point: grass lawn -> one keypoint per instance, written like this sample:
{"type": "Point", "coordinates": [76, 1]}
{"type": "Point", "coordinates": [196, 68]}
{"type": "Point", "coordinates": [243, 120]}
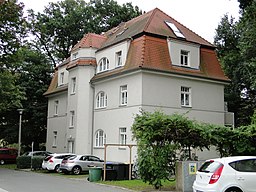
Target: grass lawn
{"type": "Point", "coordinates": [139, 185]}
{"type": "Point", "coordinates": [8, 166]}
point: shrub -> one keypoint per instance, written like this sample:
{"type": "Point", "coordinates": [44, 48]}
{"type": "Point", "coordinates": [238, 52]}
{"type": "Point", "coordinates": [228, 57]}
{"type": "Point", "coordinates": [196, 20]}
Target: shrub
{"type": "Point", "coordinates": [24, 162]}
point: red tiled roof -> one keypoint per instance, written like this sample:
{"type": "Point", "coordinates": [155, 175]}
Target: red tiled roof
{"type": "Point", "coordinates": [80, 62]}
{"type": "Point", "coordinates": [90, 40]}
{"type": "Point", "coordinates": [152, 53]}
{"type": "Point", "coordinates": [152, 22]}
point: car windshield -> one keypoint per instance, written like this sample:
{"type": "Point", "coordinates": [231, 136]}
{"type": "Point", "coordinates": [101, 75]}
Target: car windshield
{"type": "Point", "coordinates": [210, 166]}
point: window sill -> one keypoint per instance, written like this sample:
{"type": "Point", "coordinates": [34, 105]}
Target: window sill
{"type": "Point", "coordinates": [185, 106]}
{"type": "Point", "coordinates": [55, 115]}
{"type": "Point", "coordinates": [99, 147]}
{"type": "Point", "coordinates": [54, 146]}
{"type": "Point", "coordinates": [71, 127]}
{"type": "Point", "coordinates": [123, 105]}
{"type": "Point", "coordinates": [73, 93]}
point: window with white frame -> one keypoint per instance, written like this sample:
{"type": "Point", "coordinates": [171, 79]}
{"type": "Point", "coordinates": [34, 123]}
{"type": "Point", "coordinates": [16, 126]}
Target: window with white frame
{"type": "Point", "coordinates": [122, 136]}
{"type": "Point", "coordinates": [73, 85]}
{"type": "Point", "coordinates": [101, 100]}
{"type": "Point", "coordinates": [70, 146]}
{"type": "Point", "coordinates": [61, 78]}
{"type": "Point", "coordinates": [56, 106]}
{"type": "Point", "coordinates": [123, 95]}
{"type": "Point", "coordinates": [184, 58]}
{"type": "Point", "coordinates": [103, 65]}
{"type": "Point", "coordinates": [118, 58]}
{"type": "Point", "coordinates": [186, 96]}
{"type": "Point", "coordinates": [100, 138]}
{"type": "Point", "coordinates": [72, 119]}
{"type": "Point", "coordinates": [54, 144]}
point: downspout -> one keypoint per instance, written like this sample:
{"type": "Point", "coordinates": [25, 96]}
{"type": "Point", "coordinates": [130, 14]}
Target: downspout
{"type": "Point", "coordinates": [93, 105]}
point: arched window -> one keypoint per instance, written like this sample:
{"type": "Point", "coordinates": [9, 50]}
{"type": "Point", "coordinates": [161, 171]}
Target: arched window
{"type": "Point", "coordinates": [103, 65]}
{"type": "Point", "coordinates": [101, 100]}
{"type": "Point", "coordinates": [100, 138]}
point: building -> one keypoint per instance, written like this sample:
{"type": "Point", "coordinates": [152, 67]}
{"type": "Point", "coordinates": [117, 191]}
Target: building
{"type": "Point", "coordinates": [150, 62]}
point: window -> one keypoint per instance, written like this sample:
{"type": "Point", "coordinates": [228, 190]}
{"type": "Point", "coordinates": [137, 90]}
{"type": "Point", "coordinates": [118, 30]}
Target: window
{"type": "Point", "coordinates": [56, 104]}
{"type": "Point", "coordinates": [248, 165]}
{"type": "Point", "coordinates": [103, 65]}
{"type": "Point", "coordinates": [101, 100]}
{"type": "Point", "coordinates": [123, 95]}
{"type": "Point", "coordinates": [73, 85]}
{"type": "Point", "coordinates": [62, 78]}
{"type": "Point", "coordinates": [122, 136]}
{"type": "Point", "coordinates": [175, 30]}
{"type": "Point", "coordinates": [75, 55]}
{"type": "Point", "coordinates": [71, 146]}
{"type": "Point", "coordinates": [119, 58]}
{"type": "Point", "coordinates": [100, 138]}
{"type": "Point", "coordinates": [72, 119]}
{"type": "Point", "coordinates": [185, 96]}
{"type": "Point", "coordinates": [54, 139]}
{"type": "Point", "coordinates": [184, 58]}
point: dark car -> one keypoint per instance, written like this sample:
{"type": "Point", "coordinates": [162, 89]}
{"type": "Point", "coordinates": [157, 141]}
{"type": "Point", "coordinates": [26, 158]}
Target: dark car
{"type": "Point", "coordinates": [8, 155]}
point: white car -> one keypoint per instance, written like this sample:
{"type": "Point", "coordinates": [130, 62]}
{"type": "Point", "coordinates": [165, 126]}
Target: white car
{"type": "Point", "coordinates": [228, 174]}
{"type": "Point", "coordinates": [53, 161]}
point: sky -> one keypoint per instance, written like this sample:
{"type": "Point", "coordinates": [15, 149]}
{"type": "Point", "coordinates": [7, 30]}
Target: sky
{"type": "Point", "coordinates": [200, 16]}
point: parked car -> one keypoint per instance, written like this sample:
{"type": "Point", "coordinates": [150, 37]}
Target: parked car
{"type": "Point", "coordinates": [52, 162]}
{"type": "Point", "coordinates": [37, 153]}
{"type": "Point", "coordinates": [228, 174]}
{"type": "Point", "coordinates": [8, 155]}
{"type": "Point", "coordinates": [80, 163]}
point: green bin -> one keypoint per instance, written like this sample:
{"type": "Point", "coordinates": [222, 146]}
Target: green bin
{"type": "Point", "coordinates": [95, 174]}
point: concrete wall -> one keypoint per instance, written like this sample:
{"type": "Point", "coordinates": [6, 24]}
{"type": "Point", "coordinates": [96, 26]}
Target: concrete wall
{"type": "Point", "coordinates": [194, 52]}
{"type": "Point", "coordinates": [57, 123]}
{"type": "Point", "coordinates": [81, 103]}
{"type": "Point", "coordinates": [164, 92]}
{"type": "Point", "coordinates": [114, 116]}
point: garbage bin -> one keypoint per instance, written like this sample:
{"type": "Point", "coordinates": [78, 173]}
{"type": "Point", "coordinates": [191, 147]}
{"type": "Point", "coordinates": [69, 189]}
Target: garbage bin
{"type": "Point", "coordinates": [95, 174]}
{"type": "Point", "coordinates": [117, 171]}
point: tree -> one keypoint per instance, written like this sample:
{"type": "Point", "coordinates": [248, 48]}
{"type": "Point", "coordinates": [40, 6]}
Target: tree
{"type": "Point", "coordinates": [12, 31]}
{"type": "Point", "coordinates": [34, 77]}
{"type": "Point", "coordinates": [64, 23]}
{"type": "Point", "coordinates": [160, 137]}
{"type": "Point", "coordinates": [235, 47]}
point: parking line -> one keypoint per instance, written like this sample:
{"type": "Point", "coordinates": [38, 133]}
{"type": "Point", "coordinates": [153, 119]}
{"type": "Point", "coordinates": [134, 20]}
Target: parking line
{"type": "Point", "coordinates": [2, 190]}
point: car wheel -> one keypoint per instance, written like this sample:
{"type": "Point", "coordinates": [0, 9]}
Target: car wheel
{"type": "Point", "coordinates": [57, 169]}
{"type": "Point", "coordinates": [234, 190]}
{"type": "Point", "coordinates": [76, 170]}
{"type": "Point", "coordinates": [2, 162]}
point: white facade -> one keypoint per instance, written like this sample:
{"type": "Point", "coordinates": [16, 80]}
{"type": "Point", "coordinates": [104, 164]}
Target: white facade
{"type": "Point", "coordinates": [94, 104]}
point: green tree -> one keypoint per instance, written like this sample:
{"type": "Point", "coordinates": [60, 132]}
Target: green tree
{"type": "Point", "coordinates": [12, 31]}
{"type": "Point", "coordinates": [64, 23]}
{"type": "Point", "coordinates": [235, 43]}
{"type": "Point", "coordinates": [34, 77]}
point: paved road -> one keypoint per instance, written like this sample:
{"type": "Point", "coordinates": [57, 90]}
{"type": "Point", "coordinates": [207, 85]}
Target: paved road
{"type": "Point", "coordinates": [21, 181]}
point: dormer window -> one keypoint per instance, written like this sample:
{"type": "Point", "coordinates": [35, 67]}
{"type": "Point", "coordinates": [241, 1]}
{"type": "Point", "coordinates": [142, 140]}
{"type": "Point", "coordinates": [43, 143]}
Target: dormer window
{"type": "Point", "coordinates": [118, 58]}
{"type": "Point", "coordinates": [103, 65]}
{"type": "Point", "coordinates": [75, 56]}
{"type": "Point", "coordinates": [184, 58]}
{"type": "Point", "coordinates": [61, 78]}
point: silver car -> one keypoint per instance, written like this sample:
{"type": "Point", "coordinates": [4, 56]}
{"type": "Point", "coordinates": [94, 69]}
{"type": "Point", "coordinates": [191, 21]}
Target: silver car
{"type": "Point", "coordinates": [80, 163]}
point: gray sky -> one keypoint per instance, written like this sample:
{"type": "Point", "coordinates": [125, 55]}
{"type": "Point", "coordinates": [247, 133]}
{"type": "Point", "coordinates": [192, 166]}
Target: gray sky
{"type": "Point", "coordinates": [200, 16]}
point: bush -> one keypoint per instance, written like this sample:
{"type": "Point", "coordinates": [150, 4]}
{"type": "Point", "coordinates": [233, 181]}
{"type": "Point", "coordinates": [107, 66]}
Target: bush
{"type": "Point", "coordinates": [24, 162]}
